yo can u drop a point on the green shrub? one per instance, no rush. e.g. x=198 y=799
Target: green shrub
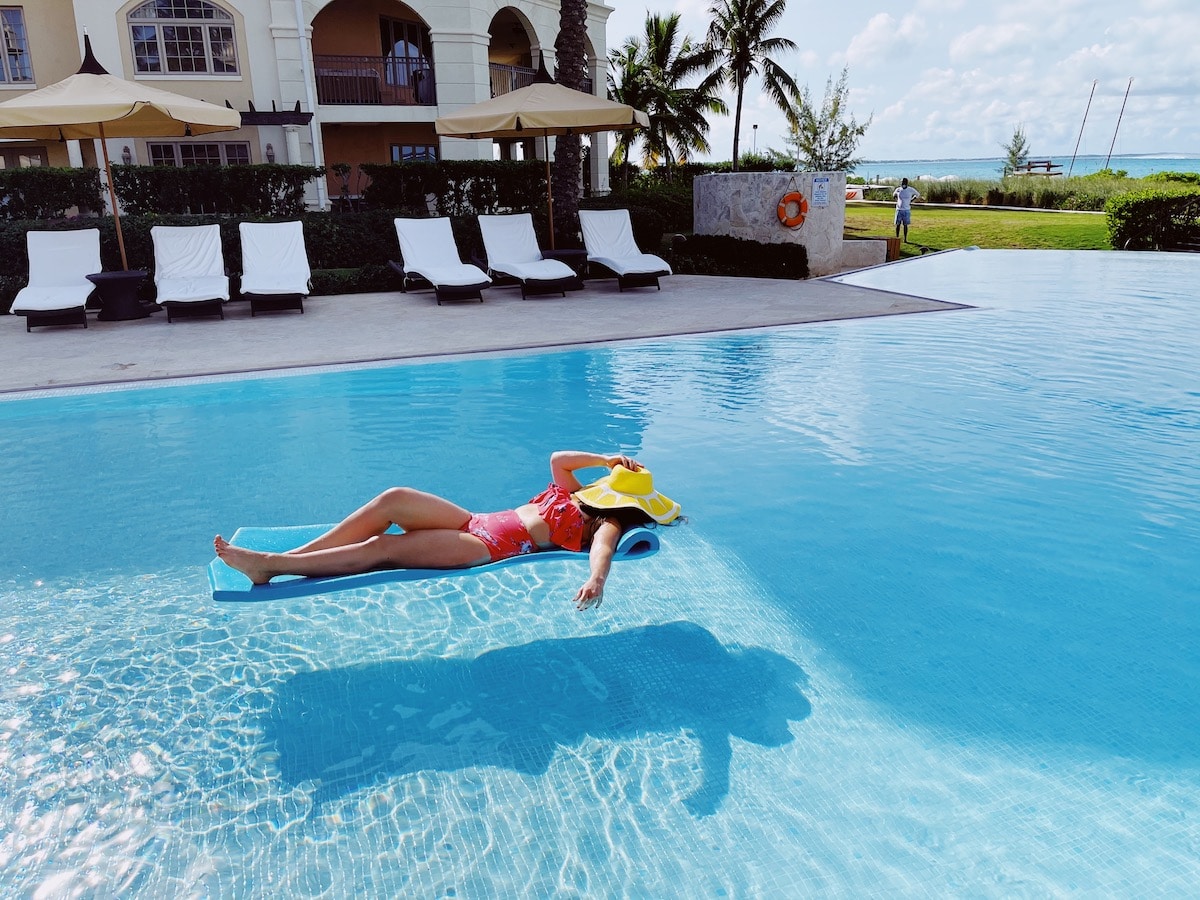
x=1087 y=192
x=47 y=193
x=1154 y=219
x=364 y=280
x=655 y=206
x=10 y=285
x=350 y=240
x=457 y=187
x=710 y=254
x=268 y=189
x=1174 y=178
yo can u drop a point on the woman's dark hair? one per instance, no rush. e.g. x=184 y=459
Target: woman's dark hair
x=626 y=516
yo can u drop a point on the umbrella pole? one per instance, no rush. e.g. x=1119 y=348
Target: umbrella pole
x=112 y=196
x=549 y=187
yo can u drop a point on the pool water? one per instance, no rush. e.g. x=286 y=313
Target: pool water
x=932 y=626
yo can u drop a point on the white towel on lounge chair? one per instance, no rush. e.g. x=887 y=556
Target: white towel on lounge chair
x=188 y=264
x=274 y=260
x=512 y=249
x=59 y=262
x=428 y=248
x=608 y=237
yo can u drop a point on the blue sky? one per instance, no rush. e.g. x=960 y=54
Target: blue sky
x=953 y=78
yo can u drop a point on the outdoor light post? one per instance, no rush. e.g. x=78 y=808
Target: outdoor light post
x=755 y=145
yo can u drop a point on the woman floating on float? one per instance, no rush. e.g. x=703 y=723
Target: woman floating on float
x=439 y=534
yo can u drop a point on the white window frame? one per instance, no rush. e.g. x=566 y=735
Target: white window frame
x=175 y=148
x=13 y=46
x=147 y=28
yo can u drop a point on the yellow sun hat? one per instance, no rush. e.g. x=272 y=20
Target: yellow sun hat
x=623 y=488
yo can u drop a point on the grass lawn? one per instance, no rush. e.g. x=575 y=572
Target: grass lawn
x=939 y=228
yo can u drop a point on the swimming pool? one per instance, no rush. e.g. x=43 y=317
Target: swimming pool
x=931 y=628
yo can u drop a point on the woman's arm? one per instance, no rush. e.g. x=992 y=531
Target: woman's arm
x=604 y=545
x=564 y=463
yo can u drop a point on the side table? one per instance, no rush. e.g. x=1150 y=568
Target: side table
x=118 y=293
x=576 y=259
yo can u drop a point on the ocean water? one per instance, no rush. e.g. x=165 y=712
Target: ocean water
x=990 y=169
x=930 y=629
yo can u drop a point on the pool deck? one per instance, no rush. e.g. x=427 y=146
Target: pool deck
x=394 y=326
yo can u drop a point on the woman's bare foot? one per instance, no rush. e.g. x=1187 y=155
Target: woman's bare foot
x=254 y=565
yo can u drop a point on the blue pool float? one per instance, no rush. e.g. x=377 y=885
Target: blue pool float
x=230 y=585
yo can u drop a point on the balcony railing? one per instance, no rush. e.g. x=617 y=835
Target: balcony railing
x=510 y=78
x=375 y=80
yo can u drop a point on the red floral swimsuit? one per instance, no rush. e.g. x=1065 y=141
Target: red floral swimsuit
x=506 y=536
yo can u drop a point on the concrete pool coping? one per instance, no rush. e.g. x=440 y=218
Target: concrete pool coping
x=379 y=327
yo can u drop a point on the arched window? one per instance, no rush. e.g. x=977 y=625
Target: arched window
x=183 y=37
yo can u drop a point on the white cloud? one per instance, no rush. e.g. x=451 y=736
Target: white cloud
x=883 y=39
x=990 y=40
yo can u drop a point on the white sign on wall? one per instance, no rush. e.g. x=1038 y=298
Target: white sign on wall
x=821 y=191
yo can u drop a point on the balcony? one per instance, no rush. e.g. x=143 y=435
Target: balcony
x=506 y=79
x=375 y=81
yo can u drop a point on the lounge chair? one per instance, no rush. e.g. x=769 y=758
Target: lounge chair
x=512 y=249
x=608 y=237
x=430 y=254
x=189 y=270
x=275 y=270
x=58 y=290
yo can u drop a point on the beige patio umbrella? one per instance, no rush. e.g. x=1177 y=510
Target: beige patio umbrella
x=542 y=108
x=94 y=104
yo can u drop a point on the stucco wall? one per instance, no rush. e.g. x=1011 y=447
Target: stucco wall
x=745 y=205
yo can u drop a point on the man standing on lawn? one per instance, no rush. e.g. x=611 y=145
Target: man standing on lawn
x=904 y=195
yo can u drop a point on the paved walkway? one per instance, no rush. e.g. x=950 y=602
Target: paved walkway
x=387 y=326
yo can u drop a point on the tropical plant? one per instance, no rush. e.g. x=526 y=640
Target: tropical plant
x=627 y=84
x=570 y=48
x=653 y=72
x=825 y=140
x=1016 y=151
x=739 y=35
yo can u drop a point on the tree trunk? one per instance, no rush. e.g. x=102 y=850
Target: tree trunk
x=737 y=123
x=571 y=49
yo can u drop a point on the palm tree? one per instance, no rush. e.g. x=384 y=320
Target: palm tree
x=627 y=84
x=677 y=121
x=570 y=49
x=740 y=36
x=649 y=74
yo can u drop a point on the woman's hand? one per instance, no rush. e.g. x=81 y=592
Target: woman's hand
x=564 y=463
x=591 y=594
x=627 y=461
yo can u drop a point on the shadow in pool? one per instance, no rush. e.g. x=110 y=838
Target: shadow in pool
x=512 y=707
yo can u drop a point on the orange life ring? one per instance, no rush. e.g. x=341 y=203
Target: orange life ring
x=801 y=209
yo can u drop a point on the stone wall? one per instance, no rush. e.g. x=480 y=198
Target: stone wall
x=745 y=205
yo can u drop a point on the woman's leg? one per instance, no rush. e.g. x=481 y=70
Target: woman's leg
x=420 y=549
x=409 y=508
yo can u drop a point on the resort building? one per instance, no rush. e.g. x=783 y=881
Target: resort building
x=318 y=82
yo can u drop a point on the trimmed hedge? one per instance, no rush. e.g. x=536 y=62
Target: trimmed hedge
x=710 y=254
x=267 y=189
x=1155 y=219
x=47 y=193
x=457 y=187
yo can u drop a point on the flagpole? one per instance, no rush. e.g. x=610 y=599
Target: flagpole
x=1080 y=138
x=1118 y=128
x=112 y=196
